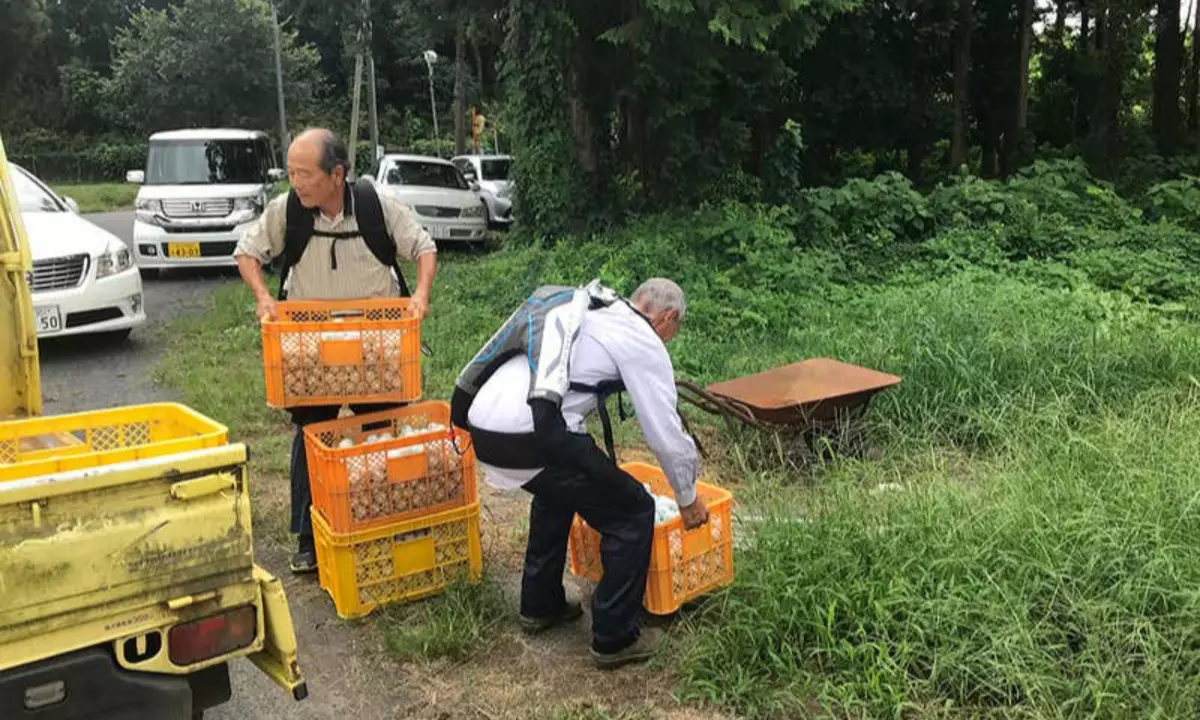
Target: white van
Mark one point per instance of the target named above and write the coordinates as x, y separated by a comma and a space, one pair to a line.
200, 189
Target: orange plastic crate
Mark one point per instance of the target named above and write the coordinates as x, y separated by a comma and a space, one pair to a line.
684, 564
398, 563
372, 484
337, 352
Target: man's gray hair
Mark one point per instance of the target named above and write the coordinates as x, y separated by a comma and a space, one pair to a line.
660, 295
333, 153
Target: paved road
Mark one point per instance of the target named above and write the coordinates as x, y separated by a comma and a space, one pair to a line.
85, 373
344, 679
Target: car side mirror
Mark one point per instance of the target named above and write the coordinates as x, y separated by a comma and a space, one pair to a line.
70, 202
137, 177
276, 175
474, 185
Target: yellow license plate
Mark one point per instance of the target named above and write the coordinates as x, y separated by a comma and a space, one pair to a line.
183, 250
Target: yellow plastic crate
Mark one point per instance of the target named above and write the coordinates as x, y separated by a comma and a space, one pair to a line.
38, 446
402, 562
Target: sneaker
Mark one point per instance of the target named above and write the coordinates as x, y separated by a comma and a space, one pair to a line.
304, 561
640, 651
570, 612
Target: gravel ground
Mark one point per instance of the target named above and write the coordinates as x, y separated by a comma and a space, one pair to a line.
87, 373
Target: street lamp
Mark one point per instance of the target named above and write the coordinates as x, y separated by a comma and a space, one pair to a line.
430, 58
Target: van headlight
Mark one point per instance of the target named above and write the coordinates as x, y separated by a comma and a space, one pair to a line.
253, 204
149, 211
114, 261
473, 211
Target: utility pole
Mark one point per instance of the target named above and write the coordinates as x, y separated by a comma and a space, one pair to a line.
358, 69
374, 108
283, 133
430, 59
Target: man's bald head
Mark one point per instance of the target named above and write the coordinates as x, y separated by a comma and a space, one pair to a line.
317, 162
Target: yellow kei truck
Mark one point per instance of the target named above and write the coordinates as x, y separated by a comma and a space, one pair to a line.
127, 574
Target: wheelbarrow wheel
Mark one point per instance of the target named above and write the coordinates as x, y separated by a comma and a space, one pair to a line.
828, 442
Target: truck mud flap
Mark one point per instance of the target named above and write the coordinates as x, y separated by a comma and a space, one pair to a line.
278, 658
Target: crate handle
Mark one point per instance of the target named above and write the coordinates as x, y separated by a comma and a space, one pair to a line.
346, 313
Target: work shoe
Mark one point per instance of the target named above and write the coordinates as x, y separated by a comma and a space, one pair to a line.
304, 561
570, 612
640, 651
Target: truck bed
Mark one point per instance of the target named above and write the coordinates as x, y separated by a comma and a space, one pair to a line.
122, 545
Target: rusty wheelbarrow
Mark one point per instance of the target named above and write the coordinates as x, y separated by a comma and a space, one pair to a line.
821, 399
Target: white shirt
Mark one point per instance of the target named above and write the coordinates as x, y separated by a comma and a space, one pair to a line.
614, 343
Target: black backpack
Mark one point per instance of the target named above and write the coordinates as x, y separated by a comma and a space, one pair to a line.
368, 212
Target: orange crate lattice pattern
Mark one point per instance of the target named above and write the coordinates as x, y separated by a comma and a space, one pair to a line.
683, 564
371, 484
329, 353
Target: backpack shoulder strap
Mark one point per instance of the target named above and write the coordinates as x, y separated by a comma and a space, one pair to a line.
368, 212
299, 231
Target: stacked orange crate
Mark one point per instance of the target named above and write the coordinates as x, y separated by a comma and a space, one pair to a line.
395, 506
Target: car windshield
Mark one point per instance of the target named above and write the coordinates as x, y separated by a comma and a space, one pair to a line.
426, 174
496, 169
31, 195
206, 162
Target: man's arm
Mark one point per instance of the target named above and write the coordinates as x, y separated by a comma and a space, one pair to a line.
414, 244
261, 242
650, 380
251, 270
426, 271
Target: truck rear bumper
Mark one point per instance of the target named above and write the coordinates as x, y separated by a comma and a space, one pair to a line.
89, 684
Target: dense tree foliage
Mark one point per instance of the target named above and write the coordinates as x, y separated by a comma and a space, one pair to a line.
623, 107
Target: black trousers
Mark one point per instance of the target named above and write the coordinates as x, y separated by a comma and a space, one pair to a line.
301, 489
618, 507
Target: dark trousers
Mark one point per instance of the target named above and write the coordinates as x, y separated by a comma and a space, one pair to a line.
618, 507
301, 490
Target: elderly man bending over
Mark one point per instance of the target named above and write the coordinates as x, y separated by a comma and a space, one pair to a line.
525, 397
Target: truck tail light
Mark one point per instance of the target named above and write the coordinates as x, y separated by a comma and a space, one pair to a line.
213, 636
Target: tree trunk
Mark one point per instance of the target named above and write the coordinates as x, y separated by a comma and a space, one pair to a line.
479, 70
1193, 78
460, 87
918, 150
959, 147
1060, 19
989, 164
1168, 63
1018, 119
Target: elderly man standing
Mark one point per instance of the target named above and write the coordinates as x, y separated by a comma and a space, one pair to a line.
524, 399
338, 241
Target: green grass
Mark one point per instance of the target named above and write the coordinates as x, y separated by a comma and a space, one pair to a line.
592, 711
1019, 542
456, 625
100, 197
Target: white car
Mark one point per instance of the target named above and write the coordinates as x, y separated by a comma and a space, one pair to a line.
83, 279
491, 174
443, 200
200, 190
